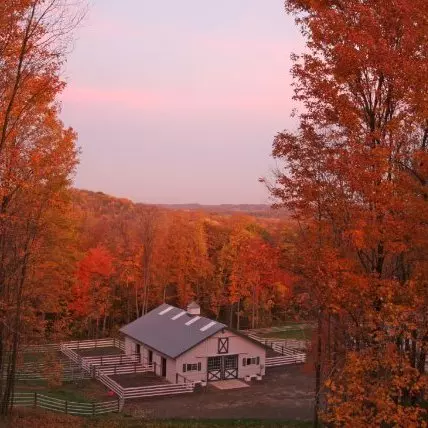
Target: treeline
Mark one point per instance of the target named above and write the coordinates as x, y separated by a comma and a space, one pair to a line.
118, 260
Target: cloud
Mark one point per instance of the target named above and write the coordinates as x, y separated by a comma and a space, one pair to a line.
174, 100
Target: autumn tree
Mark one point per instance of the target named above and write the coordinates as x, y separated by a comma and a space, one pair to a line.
93, 289
37, 153
148, 222
355, 176
183, 256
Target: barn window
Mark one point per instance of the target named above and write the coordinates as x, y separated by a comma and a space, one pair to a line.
191, 367
223, 345
251, 361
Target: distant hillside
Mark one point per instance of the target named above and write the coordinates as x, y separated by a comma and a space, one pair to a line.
100, 199
255, 210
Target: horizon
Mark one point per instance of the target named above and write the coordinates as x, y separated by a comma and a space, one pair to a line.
269, 205
180, 106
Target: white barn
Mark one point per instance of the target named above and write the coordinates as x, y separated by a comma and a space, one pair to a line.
184, 343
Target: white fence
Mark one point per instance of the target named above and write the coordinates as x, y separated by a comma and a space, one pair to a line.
71, 354
30, 399
103, 367
157, 390
76, 344
285, 360
110, 383
295, 344
119, 369
113, 359
292, 351
97, 343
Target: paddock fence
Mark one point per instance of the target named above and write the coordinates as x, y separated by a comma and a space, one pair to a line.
96, 343
291, 351
76, 344
102, 367
119, 369
158, 390
68, 352
30, 399
285, 360
114, 359
109, 383
291, 344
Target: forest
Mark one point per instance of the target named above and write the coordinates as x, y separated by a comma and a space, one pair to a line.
117, 260
347, 248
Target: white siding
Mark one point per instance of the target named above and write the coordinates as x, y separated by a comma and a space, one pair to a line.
129, 346
238, 345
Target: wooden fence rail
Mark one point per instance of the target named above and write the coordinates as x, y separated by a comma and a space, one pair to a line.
125, 369
157, 390
71, 354
77, 344
109, 383
30, 399
285, 360
113, 359
97, 343
286, 343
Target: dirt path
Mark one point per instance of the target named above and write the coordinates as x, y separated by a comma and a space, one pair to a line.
284, 393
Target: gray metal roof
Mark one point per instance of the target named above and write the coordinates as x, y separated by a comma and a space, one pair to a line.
170, 330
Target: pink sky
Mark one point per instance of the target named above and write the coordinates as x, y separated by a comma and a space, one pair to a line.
178, 102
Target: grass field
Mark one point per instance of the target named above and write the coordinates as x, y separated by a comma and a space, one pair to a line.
198, 424
30, 418
83, 391
300, 334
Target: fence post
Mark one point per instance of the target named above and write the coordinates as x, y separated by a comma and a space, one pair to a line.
35, 399
66, 406
118, 405
93, 409
135, 367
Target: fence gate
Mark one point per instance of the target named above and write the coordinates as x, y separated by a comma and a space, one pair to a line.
224, 367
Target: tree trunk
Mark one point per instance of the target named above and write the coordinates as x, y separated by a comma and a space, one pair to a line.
253, 312
231, 315
318, 371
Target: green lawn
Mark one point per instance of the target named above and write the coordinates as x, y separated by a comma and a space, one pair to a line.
300, 334
83, 391
35, 418
134, 423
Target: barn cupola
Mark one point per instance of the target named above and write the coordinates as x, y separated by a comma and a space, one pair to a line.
193, 308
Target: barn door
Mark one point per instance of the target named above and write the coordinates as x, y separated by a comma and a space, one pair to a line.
230, 367
214, 368
163, 367
225, 367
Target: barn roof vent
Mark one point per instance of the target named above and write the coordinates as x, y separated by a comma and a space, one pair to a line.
193, 309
